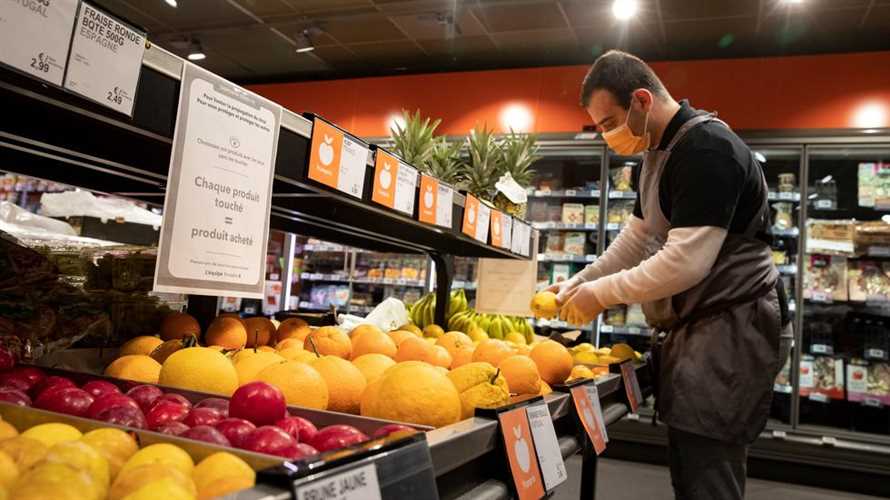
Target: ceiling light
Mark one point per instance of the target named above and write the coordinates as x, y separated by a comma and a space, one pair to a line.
516, 118
196, 52
792, 1
871, 115
624, 9
304, 43
171, 3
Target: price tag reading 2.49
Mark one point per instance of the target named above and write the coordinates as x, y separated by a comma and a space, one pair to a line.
394, 183
336, 160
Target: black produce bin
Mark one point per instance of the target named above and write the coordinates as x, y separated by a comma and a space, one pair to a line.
115, 230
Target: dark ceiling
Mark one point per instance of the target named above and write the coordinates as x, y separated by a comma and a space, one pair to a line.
255, 40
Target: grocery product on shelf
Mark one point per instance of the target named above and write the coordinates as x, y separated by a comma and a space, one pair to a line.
572, 213
825, 278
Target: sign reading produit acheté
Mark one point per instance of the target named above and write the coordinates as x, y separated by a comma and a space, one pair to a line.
105, 59
35, 36
216, 211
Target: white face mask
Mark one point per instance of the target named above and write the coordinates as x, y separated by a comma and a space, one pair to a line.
622, 139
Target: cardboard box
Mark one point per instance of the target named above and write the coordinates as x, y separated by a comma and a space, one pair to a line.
572, 213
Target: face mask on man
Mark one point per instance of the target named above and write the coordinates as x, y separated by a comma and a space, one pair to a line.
622, 139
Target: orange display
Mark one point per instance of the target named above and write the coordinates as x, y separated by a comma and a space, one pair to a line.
429, 197
386, 171
497, 227
521, 454
324, 159
471, 215
589, 417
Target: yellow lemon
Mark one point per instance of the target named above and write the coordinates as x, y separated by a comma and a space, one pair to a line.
82, 457
52, 433
132, 479
9, 471
544, 305
248, 368
163, 453
114, 444
7, 430
166, 488
222, 468
24, 451
199, 369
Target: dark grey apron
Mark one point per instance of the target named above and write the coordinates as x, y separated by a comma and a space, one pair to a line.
718, 361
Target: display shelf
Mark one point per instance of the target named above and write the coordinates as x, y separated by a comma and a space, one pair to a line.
563, 226
389, 281
622, 195
793, 197
555, 323
561, 257
337, 278
325, 247
626, 330
565, 193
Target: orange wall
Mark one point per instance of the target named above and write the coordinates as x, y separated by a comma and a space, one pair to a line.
828, 91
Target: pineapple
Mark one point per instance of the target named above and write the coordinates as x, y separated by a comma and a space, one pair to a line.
519, 152
445, 161
482, 169
414, 142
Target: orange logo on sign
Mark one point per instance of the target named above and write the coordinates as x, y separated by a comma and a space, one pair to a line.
429, 198
588, 417
521, 454
497, 228
324, 158
386, 171
471, 215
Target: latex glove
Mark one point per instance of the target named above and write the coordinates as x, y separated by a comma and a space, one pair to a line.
581, 305
563, 288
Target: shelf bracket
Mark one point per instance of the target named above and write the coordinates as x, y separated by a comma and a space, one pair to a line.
444, 276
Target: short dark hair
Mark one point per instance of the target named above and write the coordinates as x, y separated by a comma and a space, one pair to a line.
620, 73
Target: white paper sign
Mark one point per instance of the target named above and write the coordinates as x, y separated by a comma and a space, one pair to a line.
356, 484
482, 222
35, 36
593, 395
444, 206
216, 211
353, 158
105, 60
506, 286
553, 469
507, 232
406, 182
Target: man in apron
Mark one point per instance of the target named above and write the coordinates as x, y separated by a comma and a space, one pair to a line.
696, 255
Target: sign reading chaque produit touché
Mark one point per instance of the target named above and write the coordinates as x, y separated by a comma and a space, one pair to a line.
216, 211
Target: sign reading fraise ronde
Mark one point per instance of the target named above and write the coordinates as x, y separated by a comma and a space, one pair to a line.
216, 211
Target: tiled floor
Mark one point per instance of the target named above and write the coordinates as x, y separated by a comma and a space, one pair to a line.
620, 480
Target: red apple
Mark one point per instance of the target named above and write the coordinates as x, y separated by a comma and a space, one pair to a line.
51, 382
270, 440
110, 400
18, 384
388, 429
303, 451
14, 396
125, 415
235, 429
97, 388
258, 402
334, 437
7, 358
165, 411
298, 427
219, 404
175, 398
68, 400
207, 434
202, 416
145, 395
172, 428
28, 374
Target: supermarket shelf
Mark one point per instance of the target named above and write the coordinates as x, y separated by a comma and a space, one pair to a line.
626, 330
324, 247
562, 257
565, 193
338, 278
793, 197
389, 281
559, 324
562, 226
622, 195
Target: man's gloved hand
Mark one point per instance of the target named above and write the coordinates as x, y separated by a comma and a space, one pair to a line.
563, 288
580, 305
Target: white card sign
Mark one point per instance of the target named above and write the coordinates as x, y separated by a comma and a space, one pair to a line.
444, 206
35, 36
216, 211
105, 59
507, 231
482, 223
506, 286
359, 483
553, 469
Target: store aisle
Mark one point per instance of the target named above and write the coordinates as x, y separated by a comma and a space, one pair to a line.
621, 480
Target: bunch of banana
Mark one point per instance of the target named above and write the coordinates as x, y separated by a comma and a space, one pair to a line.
458, 303
484, 321
424, 310
462, 321
525, 328
499, 327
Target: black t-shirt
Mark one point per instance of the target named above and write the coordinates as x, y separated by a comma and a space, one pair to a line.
710, 179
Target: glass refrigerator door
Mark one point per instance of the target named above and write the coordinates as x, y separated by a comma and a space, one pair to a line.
564, 205
781, 166
844, 370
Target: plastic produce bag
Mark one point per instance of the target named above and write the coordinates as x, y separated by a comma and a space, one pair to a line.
389, 315
16, 220
84, 203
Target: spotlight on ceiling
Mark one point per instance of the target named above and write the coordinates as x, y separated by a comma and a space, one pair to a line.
171, 3
196, 52
625, 9
304, 43
792, 2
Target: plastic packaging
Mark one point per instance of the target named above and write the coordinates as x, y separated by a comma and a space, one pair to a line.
389, 315
84, 203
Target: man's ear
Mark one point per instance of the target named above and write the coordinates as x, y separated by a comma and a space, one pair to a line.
642, 99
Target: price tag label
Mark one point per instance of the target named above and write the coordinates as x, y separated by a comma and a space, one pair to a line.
786, 195
821, 349
105, 60
336, 160
35, 36
631, 386
444, 206
471, 216
821, 297
521, 453
219, 191
590, 414
507, 231
876, 354
633, 330
394, 183
359, 483
879, 251
483, 221
873, 402
571, 193
553, 469
818, 397
824, 204
497, 229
